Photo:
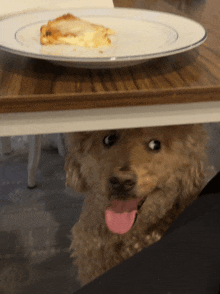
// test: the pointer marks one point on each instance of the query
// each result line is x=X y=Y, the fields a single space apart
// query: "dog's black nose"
x=123 y=183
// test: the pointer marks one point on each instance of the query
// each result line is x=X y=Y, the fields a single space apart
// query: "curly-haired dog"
x=139 y=181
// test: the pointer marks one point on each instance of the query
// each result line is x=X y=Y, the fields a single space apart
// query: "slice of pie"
x=71 y=30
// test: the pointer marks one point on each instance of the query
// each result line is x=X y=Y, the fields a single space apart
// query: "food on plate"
x=71 y=30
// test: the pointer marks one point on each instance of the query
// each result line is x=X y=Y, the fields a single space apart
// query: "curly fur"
x=169 y=180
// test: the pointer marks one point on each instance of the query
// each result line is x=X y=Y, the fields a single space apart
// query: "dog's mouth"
x=121 y=215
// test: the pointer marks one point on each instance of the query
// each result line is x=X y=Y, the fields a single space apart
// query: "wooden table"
x=38 y=97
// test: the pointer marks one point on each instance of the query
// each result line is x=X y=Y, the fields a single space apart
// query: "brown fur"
x=170 y=179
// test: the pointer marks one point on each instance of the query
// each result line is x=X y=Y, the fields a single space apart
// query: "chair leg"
x=5 y=145
x=61 y=145
x=33 y=158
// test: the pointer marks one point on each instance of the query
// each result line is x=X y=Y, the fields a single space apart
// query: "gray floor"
x=34 y=224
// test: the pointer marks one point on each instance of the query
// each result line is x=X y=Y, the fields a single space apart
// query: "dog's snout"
x=122 y=183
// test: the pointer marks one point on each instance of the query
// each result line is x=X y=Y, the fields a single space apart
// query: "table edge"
x=55 y=102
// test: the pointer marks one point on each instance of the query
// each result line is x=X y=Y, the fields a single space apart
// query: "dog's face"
x=137 y=171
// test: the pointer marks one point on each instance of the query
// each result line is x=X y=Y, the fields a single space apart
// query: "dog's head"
x=137 y=171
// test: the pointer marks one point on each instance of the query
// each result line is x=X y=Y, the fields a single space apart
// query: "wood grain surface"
x=30 y=85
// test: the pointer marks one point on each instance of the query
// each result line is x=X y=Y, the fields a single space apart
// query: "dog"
x=137 y=182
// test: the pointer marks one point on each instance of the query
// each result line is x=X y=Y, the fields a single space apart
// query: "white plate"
x=140 y=35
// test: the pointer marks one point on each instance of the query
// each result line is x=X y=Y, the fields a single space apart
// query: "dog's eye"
x=154 y=145
x=110 y=140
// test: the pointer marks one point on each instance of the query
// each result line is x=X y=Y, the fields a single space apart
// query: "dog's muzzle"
x=122 y=184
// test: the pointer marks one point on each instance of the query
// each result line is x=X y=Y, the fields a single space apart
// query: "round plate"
x=139 y=35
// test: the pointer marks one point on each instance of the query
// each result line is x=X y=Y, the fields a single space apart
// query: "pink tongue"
x=120 y=215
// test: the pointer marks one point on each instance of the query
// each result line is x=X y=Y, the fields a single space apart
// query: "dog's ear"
x=74 y=177
x=193 y=178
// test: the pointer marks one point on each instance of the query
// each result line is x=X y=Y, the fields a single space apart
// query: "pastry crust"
x=71 y=30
